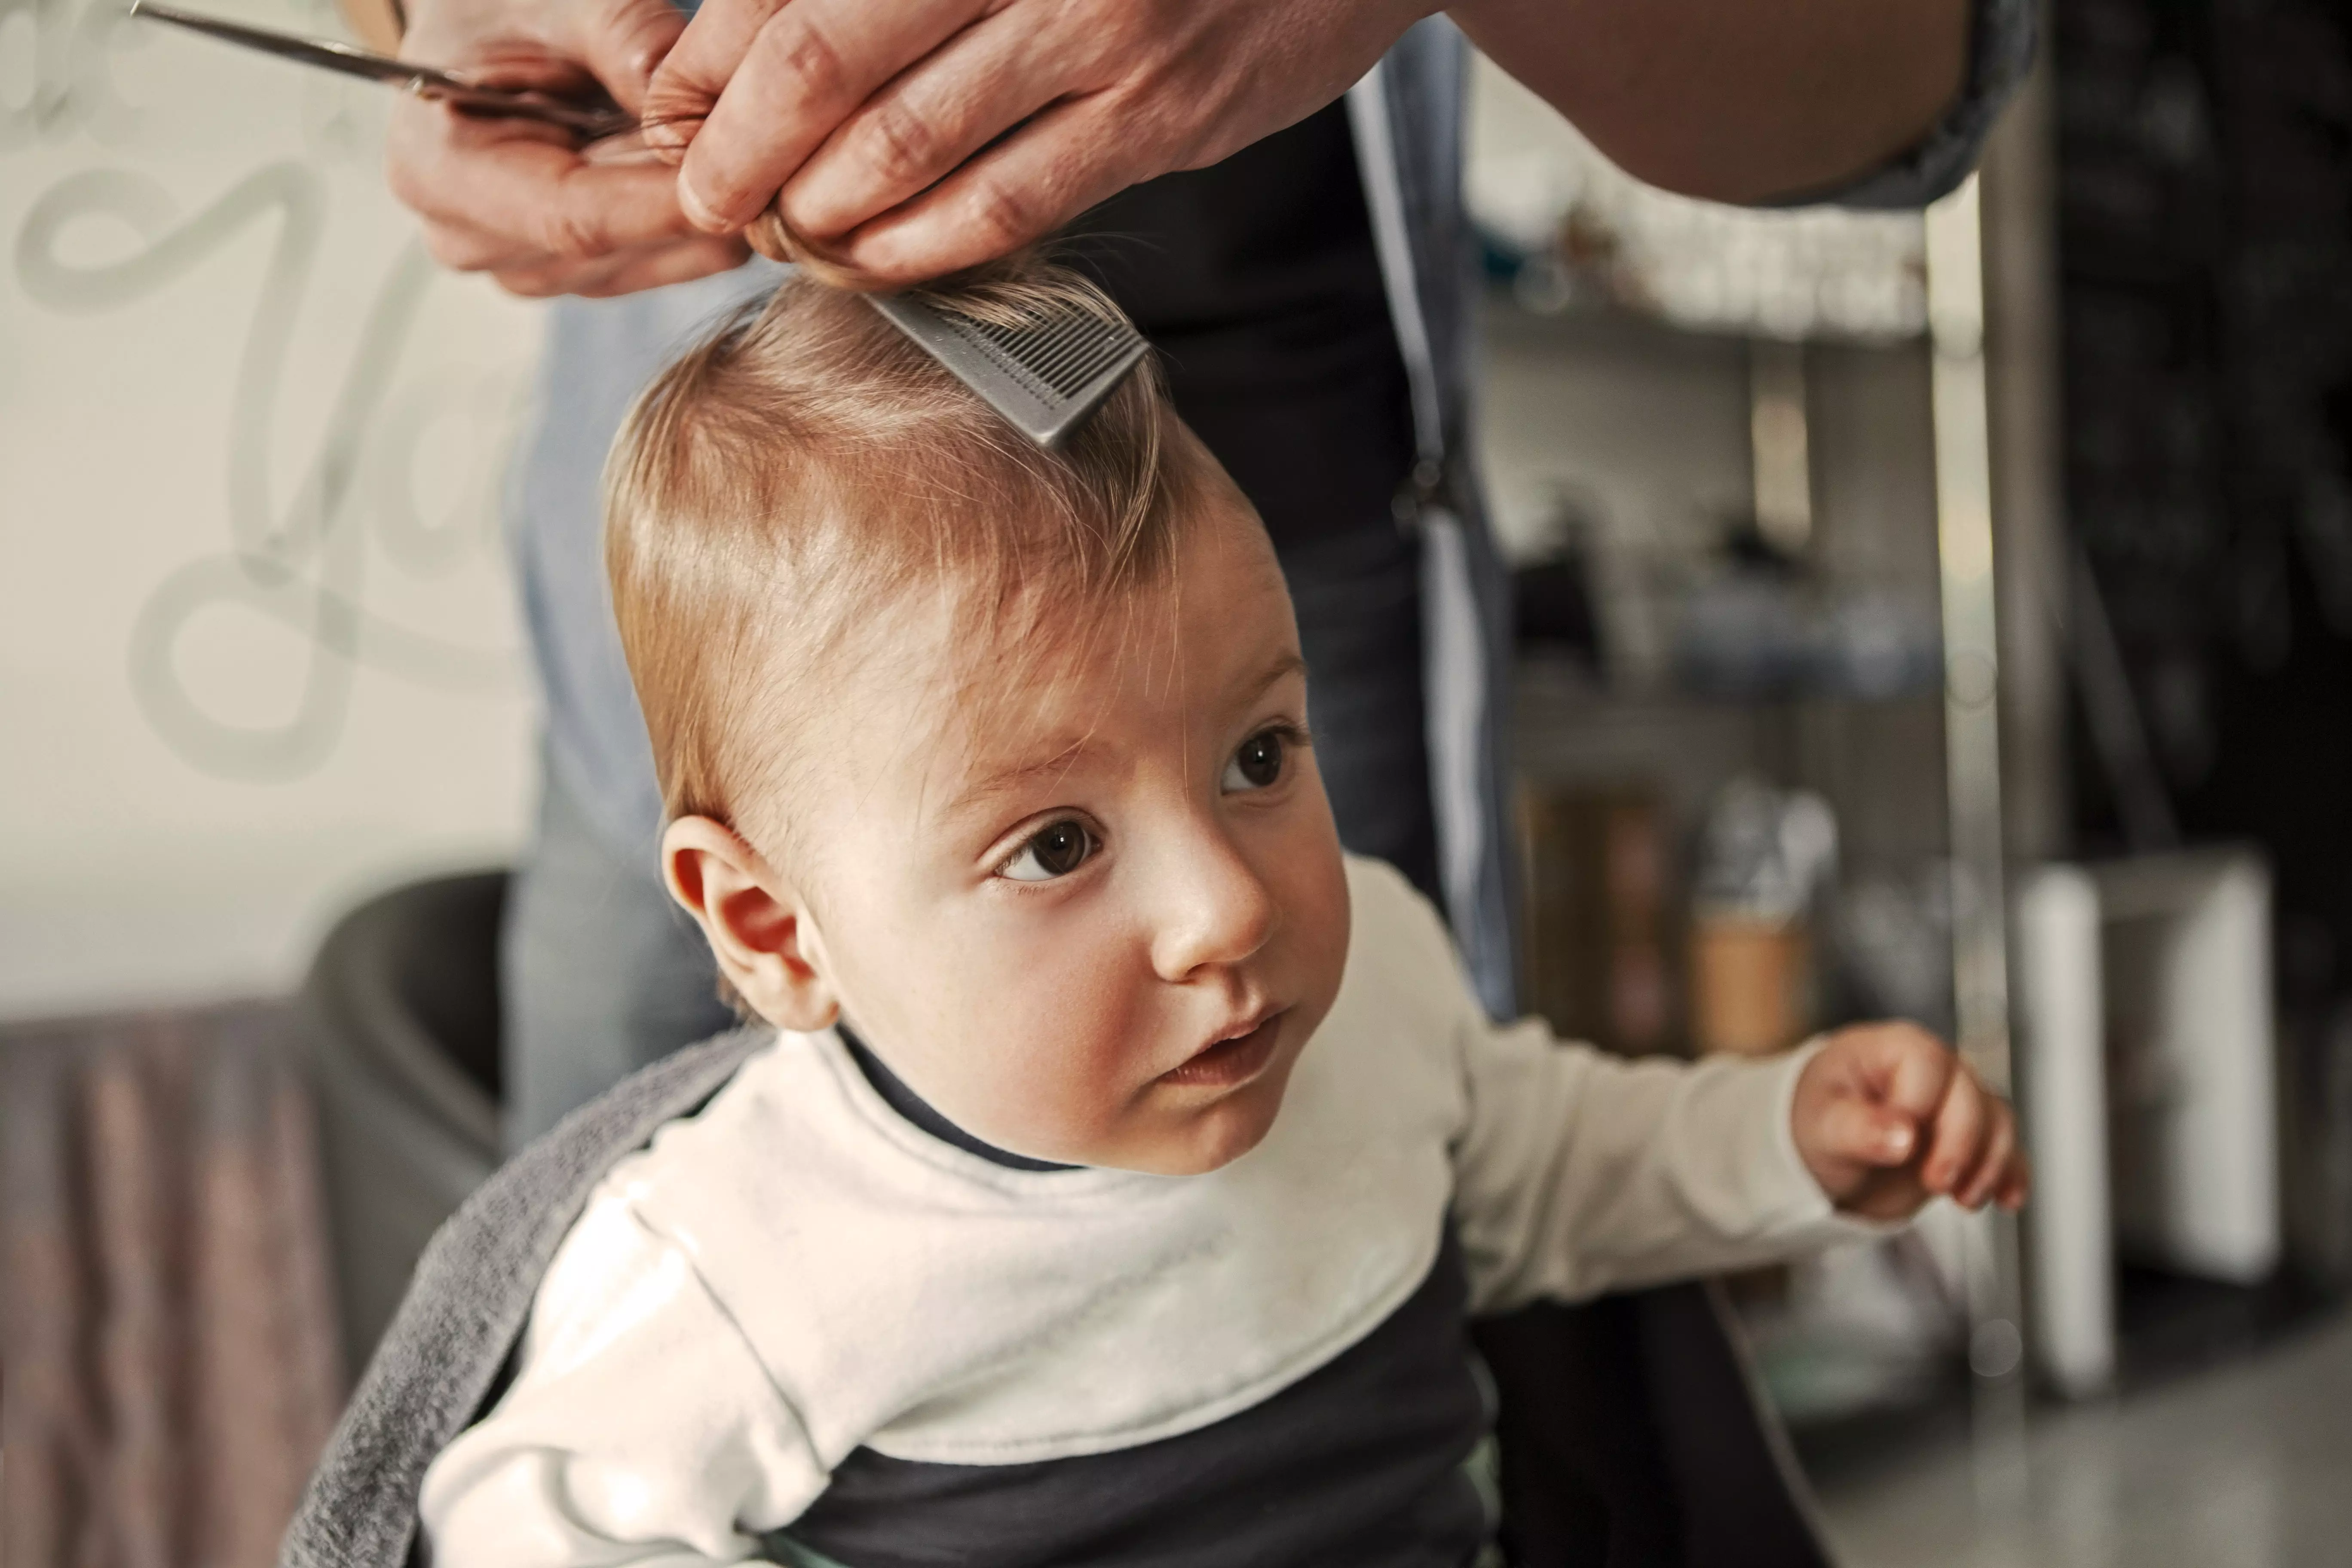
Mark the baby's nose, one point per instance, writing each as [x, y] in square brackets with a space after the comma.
[1212, 907]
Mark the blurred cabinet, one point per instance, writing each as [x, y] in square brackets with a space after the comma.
[2148, 1068]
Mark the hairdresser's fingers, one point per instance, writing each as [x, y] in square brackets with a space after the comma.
[697, 67]
[678, 261]
[937, 113]
[1063, 161]
[521, 64]
[542, 278]
[1955, 1140]
[1134, 89]
[623, 42]
[457, 234]
[503, 193]
[568, 49]
[771, 98]
[677, 264]
[1977, 1183]
[515, 197]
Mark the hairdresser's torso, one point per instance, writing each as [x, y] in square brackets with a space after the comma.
[1259, 281]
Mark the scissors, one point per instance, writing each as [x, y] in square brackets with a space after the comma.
[591, 120]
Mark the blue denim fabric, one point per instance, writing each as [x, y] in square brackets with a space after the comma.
[600, 354]
[600, 973]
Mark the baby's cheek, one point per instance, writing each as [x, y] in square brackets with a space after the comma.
[1067, 1071]
[1320, 926]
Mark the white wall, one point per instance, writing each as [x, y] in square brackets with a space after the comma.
[206, 303]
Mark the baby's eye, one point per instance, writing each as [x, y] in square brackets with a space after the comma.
[1257, 765]
[1055, 850]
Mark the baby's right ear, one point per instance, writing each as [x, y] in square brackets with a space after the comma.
[758, 925]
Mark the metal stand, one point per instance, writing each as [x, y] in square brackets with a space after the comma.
[1956, 318]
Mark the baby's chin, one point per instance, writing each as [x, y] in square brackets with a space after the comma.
[1192, 1141]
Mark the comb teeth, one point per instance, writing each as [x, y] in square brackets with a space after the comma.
[1046, 379]
[1060, 357]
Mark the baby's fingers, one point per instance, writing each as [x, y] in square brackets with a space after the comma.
[1956, 1140]
[2016, 1183]
[1865, 1134]
[1993, 1164]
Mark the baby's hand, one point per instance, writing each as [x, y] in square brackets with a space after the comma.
[1887, 1116]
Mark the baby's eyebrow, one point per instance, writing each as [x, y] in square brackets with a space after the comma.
[1005, 780]
[1289, 663]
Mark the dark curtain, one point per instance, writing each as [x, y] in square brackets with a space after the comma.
[169, 1364]
[2205, 227]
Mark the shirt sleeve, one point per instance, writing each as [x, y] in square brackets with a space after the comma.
[641, 1428]
[1580, 1172]
[2000, 55]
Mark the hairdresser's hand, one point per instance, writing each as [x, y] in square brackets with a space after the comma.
[1886, 1117]
[871, 116]
[518, 200]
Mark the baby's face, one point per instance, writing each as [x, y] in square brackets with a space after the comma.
[1097, 926]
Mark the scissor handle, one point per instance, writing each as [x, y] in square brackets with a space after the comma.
[589, 122]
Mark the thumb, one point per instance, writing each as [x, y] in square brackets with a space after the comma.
[624, 41]
[1850, 1129]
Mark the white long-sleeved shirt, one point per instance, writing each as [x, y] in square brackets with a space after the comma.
[797, 1275]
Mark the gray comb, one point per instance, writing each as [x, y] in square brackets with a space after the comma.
[1045, 378]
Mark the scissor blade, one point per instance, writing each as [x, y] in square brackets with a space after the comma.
[592, 121]
[312, 51]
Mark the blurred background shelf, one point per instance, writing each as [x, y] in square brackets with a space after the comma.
[1720, 452]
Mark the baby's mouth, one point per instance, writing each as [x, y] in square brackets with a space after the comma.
[1236, 1059]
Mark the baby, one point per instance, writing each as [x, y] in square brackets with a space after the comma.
[1128, 1160]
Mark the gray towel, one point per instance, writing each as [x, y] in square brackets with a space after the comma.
[442, 1358]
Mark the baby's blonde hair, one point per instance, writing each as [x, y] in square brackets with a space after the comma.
[804, 463]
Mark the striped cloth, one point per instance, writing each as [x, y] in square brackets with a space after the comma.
[168, 1336]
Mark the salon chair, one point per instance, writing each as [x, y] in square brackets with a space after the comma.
[1631, 1431]
[402, 1014]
